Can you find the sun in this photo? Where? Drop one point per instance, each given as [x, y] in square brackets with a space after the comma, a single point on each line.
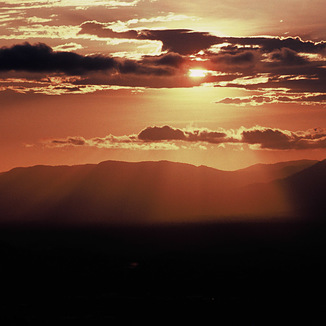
[197, 73]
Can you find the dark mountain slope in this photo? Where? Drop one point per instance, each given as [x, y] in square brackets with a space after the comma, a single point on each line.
[307, 189]
[301, 194]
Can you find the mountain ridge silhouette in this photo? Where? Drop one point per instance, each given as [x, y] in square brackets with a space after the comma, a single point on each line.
[156, 192]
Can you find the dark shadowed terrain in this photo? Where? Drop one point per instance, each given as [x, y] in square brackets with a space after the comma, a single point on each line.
[66, 258]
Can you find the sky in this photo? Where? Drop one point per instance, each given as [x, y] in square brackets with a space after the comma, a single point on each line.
[225, 84]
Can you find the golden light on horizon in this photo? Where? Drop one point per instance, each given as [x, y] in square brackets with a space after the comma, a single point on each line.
[197, 73]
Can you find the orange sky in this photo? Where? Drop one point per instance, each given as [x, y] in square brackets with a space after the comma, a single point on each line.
[84, 82]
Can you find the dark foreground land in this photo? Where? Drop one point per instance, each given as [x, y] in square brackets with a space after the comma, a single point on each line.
[219, 274]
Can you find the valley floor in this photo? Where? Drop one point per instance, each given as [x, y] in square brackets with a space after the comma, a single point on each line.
[223, 274]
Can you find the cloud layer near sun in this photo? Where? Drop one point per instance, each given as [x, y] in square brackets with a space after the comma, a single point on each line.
[128, 44]
[169, 138]
[281, 70]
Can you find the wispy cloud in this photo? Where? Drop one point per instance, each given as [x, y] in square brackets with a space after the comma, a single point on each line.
[130, 142]
[79, 4]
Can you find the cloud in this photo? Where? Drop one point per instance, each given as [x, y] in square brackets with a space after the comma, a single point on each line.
[237, 58]
[187, 41]
[190, 135]
[161, 133]
[57, 85]
[35, 20]
[170, 59]
[269, 44]
[252, 100]
[76, 141]
[182, 41]
[288, 57]
[68, 47]
[268, 138]
[76, 4]
[101, 30]
[130, 142]
[289, 65]
[251, 63]
[168, 138]
[287, 74]
[40, 31]
[141, 68]
[277, 139]
[174, 41]
[155, 138]
[278, 97]
[41, 58]
[261, 62]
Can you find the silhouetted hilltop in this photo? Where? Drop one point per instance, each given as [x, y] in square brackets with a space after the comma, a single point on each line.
[150, 192]
[270, 172]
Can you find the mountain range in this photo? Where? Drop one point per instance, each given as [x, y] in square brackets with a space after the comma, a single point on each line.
[113, 192]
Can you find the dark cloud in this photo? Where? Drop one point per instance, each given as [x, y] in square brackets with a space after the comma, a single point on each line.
[161, 133]
[170, 59]
[139, 68]
[291, 65]
[277, 139]
[236, 58]
[162, 65]
[275, 56]
[41, 58]
[193, 135]
[282, 61]
[189, 135]
[287, 57]
[267, 138]
[182, 41]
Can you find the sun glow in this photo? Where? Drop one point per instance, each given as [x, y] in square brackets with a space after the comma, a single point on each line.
[197, 73]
